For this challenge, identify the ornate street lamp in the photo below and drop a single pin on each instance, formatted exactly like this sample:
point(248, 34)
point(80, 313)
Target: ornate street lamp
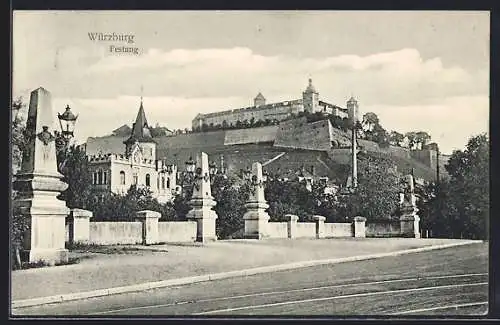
point(247, 174)
point(190, 166)
point(67, 120)
point(212, 168)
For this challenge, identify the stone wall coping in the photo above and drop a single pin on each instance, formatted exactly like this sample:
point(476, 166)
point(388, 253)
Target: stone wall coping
point(145, 214)
point(319, 218)
point(359, 219)
point(291, 217)
point(80, 213)
point(409, 218)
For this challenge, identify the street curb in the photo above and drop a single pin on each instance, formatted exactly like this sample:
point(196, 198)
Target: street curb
point(218, 276)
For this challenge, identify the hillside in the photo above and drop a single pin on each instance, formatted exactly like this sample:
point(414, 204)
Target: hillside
point(291, 146)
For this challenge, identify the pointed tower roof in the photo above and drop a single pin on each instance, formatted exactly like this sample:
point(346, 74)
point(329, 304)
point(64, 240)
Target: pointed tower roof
point(260, 96)
point(310, 88)
point(140, 129)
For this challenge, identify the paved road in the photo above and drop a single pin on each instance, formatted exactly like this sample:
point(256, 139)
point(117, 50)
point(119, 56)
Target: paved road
point(452, 281)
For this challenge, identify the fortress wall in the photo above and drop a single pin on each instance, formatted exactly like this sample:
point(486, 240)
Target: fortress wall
point(427, 157)
point(192, 140)
point(303, 135)
point(254, 135)
point(104, 145)
point(397, 151)
point(341, 156)
point(390, 150)
point(342, 139)
point(294, 160)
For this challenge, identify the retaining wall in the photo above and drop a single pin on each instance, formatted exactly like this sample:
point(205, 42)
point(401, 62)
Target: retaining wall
point(338, 230)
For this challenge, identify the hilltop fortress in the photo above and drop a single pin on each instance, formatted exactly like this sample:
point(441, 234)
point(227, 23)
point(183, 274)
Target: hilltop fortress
point(271, 112)
point(288, 147)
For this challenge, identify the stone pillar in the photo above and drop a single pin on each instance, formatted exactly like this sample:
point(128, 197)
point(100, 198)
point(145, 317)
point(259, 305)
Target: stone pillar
point(79, 225)
point(292, 225)
point(359, 225)
point(149, 221)
point(256, 217)
point(320, 226)
point(409, 219)
point(410, 222)
point(202, 202)
point(38, 183)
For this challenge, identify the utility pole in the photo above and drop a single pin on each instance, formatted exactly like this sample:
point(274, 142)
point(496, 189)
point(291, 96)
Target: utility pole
point(437, 164)
point(352, 108)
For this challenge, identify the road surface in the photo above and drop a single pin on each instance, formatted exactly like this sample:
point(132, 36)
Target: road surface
point(451, 281)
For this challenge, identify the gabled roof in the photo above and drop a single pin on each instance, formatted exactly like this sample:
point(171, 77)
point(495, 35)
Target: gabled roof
point(122, 130)
point(140, 129)
point(260, 96)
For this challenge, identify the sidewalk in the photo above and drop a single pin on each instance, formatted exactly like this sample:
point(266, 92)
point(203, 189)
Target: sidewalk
point(164, 262)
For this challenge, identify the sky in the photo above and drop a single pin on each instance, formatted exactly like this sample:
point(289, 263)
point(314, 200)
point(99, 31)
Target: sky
point(418, 71)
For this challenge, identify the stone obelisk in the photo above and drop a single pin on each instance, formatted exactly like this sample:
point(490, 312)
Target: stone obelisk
point(256, 217)
point(202, 202)
point(39, 183)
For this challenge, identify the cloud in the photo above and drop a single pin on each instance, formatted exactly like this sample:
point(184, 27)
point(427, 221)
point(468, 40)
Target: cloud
point(450, 122)
point(396, 77)
point(406, 90)
point(98, 117)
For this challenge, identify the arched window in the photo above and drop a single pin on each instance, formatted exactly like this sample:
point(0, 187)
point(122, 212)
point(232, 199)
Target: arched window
point(148, 180)
point(168, 182)
point(122, 177)
point(99, 176)
point(163, 182)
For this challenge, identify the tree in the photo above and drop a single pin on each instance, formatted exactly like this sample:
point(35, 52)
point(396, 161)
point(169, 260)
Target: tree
point(396, 138)
point(108, 206)
point(377, 194)
point(76, 174)
point(290, 197)
point(412, 139)
point(17, 132)
point(230, 207)
point(380, 136)
point(369, 121)
point(468, 199)
point(422, 138)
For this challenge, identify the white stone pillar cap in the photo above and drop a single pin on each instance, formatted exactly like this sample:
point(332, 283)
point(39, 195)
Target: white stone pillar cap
point(76, 212)
point(318, 218)
point(291, 217)
point(145, 214)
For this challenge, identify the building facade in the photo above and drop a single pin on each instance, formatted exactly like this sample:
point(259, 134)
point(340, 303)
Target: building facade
point(272, 112)
point(136, 165)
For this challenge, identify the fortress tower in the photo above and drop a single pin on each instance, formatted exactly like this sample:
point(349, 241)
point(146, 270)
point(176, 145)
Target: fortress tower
point(259, 100)
point(141, 137)
point(310, 98)
point(352, 109)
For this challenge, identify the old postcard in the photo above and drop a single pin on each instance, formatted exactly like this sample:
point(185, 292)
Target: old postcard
point(279, 163)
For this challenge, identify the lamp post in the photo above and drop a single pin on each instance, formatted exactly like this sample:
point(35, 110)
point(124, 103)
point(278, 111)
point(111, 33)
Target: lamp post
point(191, 174)
point(67, 121)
